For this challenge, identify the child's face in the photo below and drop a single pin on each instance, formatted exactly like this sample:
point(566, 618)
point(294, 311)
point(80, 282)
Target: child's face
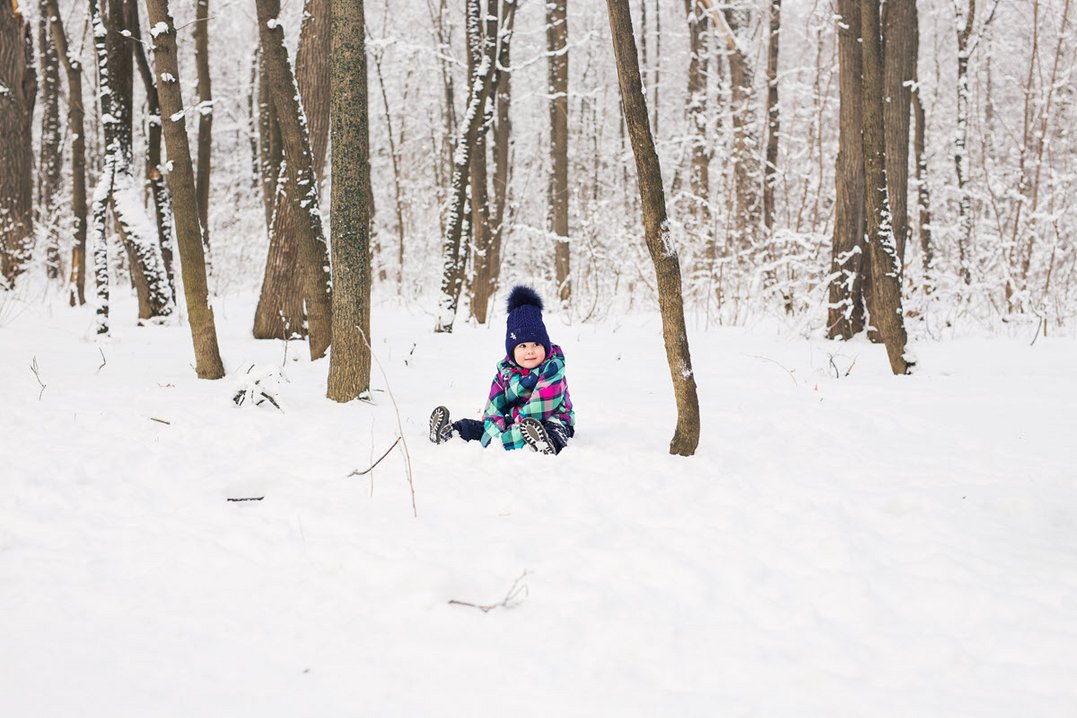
point(529, 354)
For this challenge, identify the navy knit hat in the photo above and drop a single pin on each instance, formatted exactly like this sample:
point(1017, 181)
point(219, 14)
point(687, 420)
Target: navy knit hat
point(524, 322)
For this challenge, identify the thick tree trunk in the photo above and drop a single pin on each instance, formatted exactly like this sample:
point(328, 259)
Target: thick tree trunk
point(773, 115)
point(899, 69)
point(845, 314)
point(480, 191)
point(280, 314)
point(502, 146)
point(656, 230)
point(205, 118)
point(75, 122)
point(270, 152)
point(313, 252)
point(557, 73)
point(19, 81)
point(50, 155)
point(181, 180)
point(885, 299)
point(453, 253)
point(349, 363)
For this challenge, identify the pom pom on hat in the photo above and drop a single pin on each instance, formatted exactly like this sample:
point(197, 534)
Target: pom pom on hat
point(524, 321)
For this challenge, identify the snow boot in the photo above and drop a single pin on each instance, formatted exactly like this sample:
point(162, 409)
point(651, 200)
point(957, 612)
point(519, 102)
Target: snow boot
point(536, 436)
point(440, 428)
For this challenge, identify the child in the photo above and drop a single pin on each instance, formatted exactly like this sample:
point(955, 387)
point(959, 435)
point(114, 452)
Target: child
point(529, 402)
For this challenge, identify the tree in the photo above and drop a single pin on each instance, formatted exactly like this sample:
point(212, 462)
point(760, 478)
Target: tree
point(899, 69)
point(557, 74)
point(295, 139)
point(845, 313)
point(454, 259)
point(50, 155)
point(205, 113)
point(656, 230)
point(280, 314)
point(181, 180)
point(699, 182)
point(75, 123)
point(18, 92)
point(349, 363)
point(885, 297)
point(773, 115)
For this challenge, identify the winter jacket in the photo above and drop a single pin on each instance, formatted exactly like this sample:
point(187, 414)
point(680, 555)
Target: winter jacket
point(541, 393)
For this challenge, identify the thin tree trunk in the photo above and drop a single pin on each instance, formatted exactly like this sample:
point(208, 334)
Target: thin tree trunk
point(656, 230)
point(18, 78)
point(181, 180)
point(313, 252)
point(394, 154)
point(453, 253)
point(773, 115)
point(50, 155)
point(502, 145)
point(349, 363)
point(961, 160)
point(923, 193)
point(205, 120)
point(162, 202)
point(557, 72)
point(480, 192)
point(75, 122)
point(696, 111)
point(845, 313)
point(885, 299)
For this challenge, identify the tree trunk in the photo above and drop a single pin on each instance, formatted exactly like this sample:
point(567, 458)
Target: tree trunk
point(923, 193)
point(502, 145)
point(181, 180)
point(845, 314)
point(699, 182)
point(115, 72)
point(349, 363)
point(557, 73)
point(280, 314)
point(205, 119)
point(19, 81)
point(313, 252)
point(162, 202)
point(656, 230)
point(453, 252)
point(75, 122)
point(773, 115)
point(961, 159)
point(480, 192)
point(885, 298)
point(899, 63)
point(50, 155)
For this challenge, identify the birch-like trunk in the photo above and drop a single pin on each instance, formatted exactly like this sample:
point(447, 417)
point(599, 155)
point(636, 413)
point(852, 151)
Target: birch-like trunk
point(50, 154)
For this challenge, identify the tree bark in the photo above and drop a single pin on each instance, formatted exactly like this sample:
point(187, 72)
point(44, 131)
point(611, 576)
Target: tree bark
point(961, 133)
point(50, 155)
point(19, 80)
point(205, 119)
point(313, 252)
point(699, 182)
point(454, 257)
point(773, 115)
point(656, 230)
point(845, 313)
point(557, 73)
point(75, 125)
point(181, 180)
point(280, 314)
point(899, 69)
point(885, 298)
point(502, 145)
point(480, 191)
point(349, 363)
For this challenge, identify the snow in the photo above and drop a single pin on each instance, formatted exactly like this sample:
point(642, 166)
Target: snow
point(899, 546)
point(159, 29)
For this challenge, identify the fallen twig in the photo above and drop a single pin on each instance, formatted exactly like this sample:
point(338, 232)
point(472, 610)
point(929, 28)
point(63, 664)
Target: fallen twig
point(160, 421)
point(37, 375)
point(772, 361)
point(103, 360)
point(246, 498)
point(370, 468)
point(517, 593)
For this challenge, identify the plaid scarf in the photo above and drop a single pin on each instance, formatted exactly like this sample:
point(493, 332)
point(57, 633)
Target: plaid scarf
point(517, 393)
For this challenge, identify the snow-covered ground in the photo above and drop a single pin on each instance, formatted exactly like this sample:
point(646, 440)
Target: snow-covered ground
point(853, 546)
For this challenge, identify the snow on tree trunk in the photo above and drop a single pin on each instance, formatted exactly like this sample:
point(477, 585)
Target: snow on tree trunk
point(18, 91)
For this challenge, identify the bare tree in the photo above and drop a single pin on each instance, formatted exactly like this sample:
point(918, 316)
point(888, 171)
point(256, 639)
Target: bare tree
point(205, 117)
point(50, 154)
point(885, 298)
point(295, 138)
point(557, 74)
point(75, 126)
point(773, 115)
point(485, 51)
point(17, 96)
point(899, 69)
point(181, 180)
point(349, 363)
point(845, 313)
point(656, 230)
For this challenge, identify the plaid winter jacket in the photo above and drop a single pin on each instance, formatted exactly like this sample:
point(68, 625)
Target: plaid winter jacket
point(541, 393)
